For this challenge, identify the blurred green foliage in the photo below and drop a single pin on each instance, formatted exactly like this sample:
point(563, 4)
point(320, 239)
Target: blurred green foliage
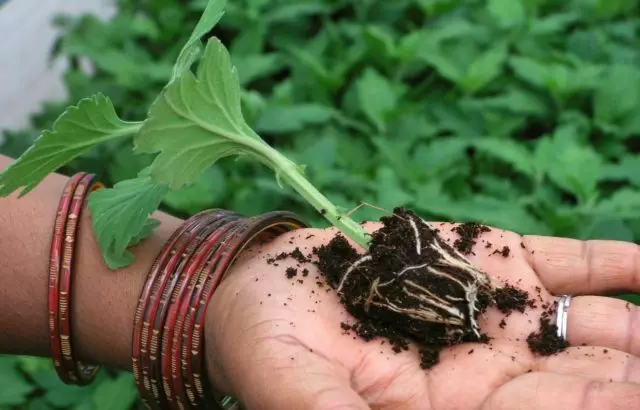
point(522, 114)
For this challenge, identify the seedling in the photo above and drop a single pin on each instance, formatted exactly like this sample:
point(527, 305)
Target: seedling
point(409, 275)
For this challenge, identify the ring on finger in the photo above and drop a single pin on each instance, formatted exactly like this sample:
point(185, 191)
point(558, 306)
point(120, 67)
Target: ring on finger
point(562, 315)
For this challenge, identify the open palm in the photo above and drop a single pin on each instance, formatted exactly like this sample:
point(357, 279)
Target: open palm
point(276, 342)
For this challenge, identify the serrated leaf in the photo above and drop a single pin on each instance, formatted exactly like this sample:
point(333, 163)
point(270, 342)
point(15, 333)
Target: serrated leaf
point(204, 110)
point(77, 130)
point(115, 394)
point(280, 119)
point(191, 50)
point(376, 96)
point(127, 207)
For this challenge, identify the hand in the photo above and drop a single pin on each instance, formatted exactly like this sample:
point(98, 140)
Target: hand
point(277, 343)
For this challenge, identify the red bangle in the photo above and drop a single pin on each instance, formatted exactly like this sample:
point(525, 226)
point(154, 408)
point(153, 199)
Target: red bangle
point(270, 224)
point(147, 335)
point(183, 389)
point(69, 212)
point(157, 276)
point(162, 325)
point(177, 311)
point(54, 274)
point(169, 319)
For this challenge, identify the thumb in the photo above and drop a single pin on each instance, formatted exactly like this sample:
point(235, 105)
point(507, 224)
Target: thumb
point(292, 377)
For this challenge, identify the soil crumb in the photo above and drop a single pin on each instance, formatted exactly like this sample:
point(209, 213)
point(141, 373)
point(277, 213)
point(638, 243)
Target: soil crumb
point(505, 251)
point(546, 342)
point(510, 298)
point(291, 272)
point(468, 232)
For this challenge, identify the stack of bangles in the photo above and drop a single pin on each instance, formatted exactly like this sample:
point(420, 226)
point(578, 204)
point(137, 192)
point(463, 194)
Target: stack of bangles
point(168, 335)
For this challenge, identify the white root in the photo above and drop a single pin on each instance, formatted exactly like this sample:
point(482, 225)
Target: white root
point(408, 268)
point(417, 234)
point(353, 266)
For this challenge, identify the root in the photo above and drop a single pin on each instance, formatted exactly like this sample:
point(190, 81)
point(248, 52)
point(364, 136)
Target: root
point(353, 266)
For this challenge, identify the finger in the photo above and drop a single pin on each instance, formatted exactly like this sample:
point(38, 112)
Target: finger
point(603, 321)
point(573, 266)
point(594, 363)
point(550, 391)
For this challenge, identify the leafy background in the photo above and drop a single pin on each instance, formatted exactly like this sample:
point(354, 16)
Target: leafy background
point(514, 113)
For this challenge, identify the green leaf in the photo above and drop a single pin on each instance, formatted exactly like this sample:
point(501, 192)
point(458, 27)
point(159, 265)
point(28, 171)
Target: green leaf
point(120, 214)
point(624, 203)
point(15, 388)
point(508, 13)
point(509, 151)
point(607, 228)
point(196, 121)
point(57, 393)
point(376, 96)
point(627, 169)
point(484, 69)
point(617, 98)
point(280, 119)
point(77, 130)
point(191, 50)
point(115, 394)
point(205, 193)
point(256, 66)
point(574, 167)
point(479, 208)
point(390, 192)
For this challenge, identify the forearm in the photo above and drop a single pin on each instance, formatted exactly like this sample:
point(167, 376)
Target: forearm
point(103, 301)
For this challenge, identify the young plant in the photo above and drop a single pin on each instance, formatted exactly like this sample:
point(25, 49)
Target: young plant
point(196, 120)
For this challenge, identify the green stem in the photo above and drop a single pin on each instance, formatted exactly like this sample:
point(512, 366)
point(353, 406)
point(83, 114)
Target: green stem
point(291, 173)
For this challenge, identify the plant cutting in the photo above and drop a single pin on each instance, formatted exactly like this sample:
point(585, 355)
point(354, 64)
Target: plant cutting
point(408, 278)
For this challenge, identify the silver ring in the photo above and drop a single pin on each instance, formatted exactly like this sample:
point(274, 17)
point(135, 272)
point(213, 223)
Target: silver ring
point(562, 315)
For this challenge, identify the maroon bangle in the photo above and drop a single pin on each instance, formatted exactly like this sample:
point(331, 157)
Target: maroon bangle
point(177, 310)
point(78, 372)
point(69, 212)
point(54, 274)
point(172, 277)
point(162, 323)
point(146, 337)
point(139, 323)
point(271, 224)
point(183, 390)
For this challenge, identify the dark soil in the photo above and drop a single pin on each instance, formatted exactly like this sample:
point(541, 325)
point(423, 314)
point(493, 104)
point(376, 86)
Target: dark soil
point(510, 298)
point(547, 342)
point(468, 232)
point(411, 286)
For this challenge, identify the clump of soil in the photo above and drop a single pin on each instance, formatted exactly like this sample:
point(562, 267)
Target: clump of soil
point(505, 251)
point(510, 298)
point(546, 341)
point(468, 232)
point(411, 285)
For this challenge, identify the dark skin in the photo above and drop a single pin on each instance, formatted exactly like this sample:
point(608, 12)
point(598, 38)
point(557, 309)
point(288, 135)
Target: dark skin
point(294, 356)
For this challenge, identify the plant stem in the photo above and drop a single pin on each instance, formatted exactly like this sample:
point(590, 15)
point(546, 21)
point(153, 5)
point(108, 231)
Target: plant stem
point(292, 174)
